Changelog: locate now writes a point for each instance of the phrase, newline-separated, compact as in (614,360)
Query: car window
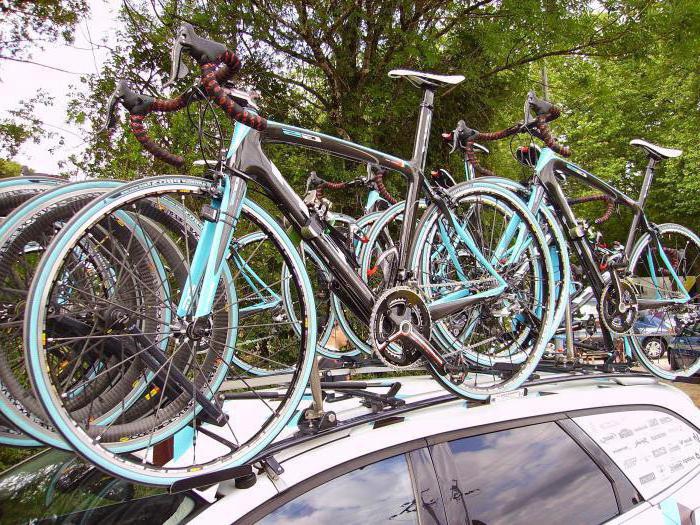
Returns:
(532,474)
(58,487)
(654,449)
(378,493)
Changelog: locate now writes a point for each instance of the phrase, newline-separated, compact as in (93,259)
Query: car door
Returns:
(385,487)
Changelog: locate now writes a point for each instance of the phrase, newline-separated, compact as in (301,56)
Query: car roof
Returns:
(429,414)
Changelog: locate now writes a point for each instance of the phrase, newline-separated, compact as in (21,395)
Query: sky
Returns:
(20,81)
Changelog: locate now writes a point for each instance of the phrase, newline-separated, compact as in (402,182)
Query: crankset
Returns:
(617,307)
(400,329)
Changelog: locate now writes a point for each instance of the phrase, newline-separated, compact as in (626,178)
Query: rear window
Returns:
(654,449)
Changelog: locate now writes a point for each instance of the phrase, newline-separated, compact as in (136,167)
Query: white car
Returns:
(566,449)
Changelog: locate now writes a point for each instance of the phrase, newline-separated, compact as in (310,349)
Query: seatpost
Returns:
(425,117)
(415,184)
(646,184)
(648,178)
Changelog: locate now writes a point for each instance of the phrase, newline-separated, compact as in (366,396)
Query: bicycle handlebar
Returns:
(545,112)
(139,106)
(210,55)
(546,135)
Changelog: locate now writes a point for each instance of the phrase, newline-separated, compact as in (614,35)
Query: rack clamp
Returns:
(313,422)
(357,389)
(314,419)
(271,467)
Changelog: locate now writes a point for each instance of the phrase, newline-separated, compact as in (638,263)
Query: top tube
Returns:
(547,157)
(278,133)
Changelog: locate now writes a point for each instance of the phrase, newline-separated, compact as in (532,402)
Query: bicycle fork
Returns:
(201,286)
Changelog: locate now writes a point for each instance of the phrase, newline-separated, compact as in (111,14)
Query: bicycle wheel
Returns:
(662,338)
(15,191)
(24,237)
(337,337)
(494,344)
(180,395)
(558,247)
(327,323)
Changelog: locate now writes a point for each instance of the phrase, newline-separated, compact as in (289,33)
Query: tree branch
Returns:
(2,57)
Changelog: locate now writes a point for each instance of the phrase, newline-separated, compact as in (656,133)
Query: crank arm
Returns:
(440,310)
(407,333)
(649,304)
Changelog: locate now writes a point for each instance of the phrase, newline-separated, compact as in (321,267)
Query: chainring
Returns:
(618,322)
(392,308)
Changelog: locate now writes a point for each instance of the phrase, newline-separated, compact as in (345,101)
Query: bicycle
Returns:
(647,274)
(400,318)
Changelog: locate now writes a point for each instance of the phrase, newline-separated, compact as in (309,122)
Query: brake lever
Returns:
(135,103)
(455,142)
(111,120)
(313,181)
(201,49)
(461,135)
(178,69)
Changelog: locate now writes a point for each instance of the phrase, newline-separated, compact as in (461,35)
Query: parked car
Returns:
(653,330)
(562,450)
(685,348)
(655,333)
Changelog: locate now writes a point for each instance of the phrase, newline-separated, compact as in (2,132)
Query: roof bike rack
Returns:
(390,412)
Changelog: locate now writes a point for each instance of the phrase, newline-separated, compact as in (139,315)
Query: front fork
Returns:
(213,248)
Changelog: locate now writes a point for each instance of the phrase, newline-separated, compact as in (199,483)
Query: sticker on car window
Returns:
(654,449)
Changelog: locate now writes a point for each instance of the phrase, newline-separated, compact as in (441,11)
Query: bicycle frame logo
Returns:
(305,136)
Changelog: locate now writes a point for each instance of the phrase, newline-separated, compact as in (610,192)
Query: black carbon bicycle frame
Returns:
(250,162)
(549,178)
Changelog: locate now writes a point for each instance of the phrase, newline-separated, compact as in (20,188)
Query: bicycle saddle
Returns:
(423,80)
(655,151)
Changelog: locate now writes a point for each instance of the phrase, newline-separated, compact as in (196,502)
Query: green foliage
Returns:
(10,456)
(620,68)
(23,124)
(651,94)
(9,169)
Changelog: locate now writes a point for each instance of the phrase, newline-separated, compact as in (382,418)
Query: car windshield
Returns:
(57,487)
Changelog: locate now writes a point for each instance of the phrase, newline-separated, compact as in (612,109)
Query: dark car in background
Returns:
(684,349)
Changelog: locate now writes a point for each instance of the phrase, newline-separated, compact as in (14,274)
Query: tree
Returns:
(323,63)
(23,124)
(31,25)
(9,169)
(26,27)
(652,94)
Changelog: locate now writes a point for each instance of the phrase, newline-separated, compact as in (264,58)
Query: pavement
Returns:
(693,390)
